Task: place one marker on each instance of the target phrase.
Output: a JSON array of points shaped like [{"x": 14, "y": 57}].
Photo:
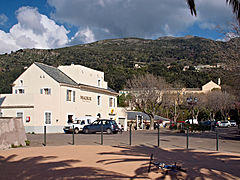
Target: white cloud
[
  {"x": 3, "y": 19},
  {"x": 33, "y": 30},
  {"x": 83, "y": 36}
]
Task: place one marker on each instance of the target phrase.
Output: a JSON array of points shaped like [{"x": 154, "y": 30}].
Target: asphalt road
[{"x": 229, "y": 139}]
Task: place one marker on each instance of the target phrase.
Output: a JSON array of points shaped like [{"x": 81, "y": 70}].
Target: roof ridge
[{"x": 55, "y": 73}]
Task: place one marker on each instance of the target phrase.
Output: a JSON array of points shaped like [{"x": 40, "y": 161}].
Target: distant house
[
  {"x": 46, "y": 95},
  {"x": 210, "y": 86},
  {"x": 205, "y": 89}
]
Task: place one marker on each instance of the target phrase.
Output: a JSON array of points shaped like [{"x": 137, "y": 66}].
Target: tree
[
  {"x": 231, "y": 31},
  {"x": 195, "y": 102},
  {"x": 235, "y": 4},
  {"x": 146, "y": 91},
  {"x": 171, "y": 102},
  {"x": 219, "y": 101}
]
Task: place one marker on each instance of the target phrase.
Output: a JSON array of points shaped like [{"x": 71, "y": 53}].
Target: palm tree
[{"x": 235, "y": 4}]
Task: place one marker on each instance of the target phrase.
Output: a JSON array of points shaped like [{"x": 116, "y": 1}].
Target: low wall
[
  {"x": 40, "y": 129},
  {"x": 12, "y": 132}
]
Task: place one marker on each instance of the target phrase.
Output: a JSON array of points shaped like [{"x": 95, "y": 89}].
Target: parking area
[{"x": 228, "y": 139}]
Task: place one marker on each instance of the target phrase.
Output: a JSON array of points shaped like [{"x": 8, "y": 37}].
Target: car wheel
[
  {"x": 109, "y": 131},
  {"x": 86, "y": 131},
  {"x": 76, "y": 130}
]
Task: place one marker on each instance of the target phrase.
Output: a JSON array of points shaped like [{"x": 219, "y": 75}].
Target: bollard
[
  {"x": 217, "y": 140},
  {"x": 101, "y": 132},
  {"x": 45, "y": 136},
  {"x": 158, "y": 135},
  {"x": 187, "y": 137},
  {"x": 130, "y": 135},
  {"x": 73, "y": 136}
]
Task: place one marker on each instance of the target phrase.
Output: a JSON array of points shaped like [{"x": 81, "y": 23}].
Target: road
[{"x": 229, "y": 140}]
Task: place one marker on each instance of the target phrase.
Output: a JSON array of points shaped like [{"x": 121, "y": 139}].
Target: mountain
[{"x": 166, "y": 56}]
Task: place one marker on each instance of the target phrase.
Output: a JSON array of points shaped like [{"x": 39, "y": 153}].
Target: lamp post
[{"x": 192, "y": 101}]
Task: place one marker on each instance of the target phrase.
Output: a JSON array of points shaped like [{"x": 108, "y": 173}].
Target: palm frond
[
  {"x": 235, "y": 4},
  {"x": 191, "y": 5}
]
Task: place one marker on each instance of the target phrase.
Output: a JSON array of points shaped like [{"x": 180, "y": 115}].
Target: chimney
[{"x": 219, "y": 81}]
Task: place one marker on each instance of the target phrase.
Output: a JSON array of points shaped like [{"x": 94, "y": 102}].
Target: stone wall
[{"x": 12, "y": 132}]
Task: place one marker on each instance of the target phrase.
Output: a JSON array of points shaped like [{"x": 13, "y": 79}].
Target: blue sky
[{"x": 58, "y": 23}]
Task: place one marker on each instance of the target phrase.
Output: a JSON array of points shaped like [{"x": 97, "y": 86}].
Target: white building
[{"x": 45, "y": 95}]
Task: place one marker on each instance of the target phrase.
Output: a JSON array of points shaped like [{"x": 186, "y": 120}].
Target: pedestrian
[{"x": 120, "y": 128}]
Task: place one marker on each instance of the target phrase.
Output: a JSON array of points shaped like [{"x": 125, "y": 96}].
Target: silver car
[
  {"x": 224, "y": 123},
  {"x": 233, "y": 123}
]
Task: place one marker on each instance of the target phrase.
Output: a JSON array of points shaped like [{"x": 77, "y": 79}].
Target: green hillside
[{"x": 165, "y": 56}]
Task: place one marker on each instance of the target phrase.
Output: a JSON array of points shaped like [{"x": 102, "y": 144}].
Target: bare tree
[
  {"x": 146, "y": 93},
  {"x": 219, "y": 101},
  {"x": 231, "y": 30},
  {"x": 197, "y": 103},
  {"x": 170, "y": 102}
]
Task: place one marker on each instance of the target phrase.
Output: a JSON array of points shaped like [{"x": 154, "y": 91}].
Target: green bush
[
  {"x": 27, "y": 143},
  {"x": 173, "y": 127}
]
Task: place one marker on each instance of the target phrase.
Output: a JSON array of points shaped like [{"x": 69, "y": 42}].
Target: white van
[
  {"x": 190, "y": 121},
  {"x": 78, "y": 124}
]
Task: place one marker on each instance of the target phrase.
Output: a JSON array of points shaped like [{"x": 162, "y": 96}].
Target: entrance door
[{"x": 69, "y": 118}]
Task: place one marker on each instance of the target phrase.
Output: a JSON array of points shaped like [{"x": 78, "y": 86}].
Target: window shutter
[
  {"x": 41, "y": 91},
  {"x": 67, "y": 96},
  {"x": 74, "y": 93},
  {"x": 49, "y": 91}
]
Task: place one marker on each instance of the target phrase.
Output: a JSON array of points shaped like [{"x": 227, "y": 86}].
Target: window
[
  {"x": 111, "y": 102},
  {"x": 48, "y": 117},
  {"x": 99, "y": 83},
  {"x": 71, "y": 95},
  {"x": 98, "y": 100},
  {"x": 21, "y": 82},
  {"x": 19, "y": 91},
  {"x": 70, "y": 119},
  {"x": 82, "y": 122},
  {"x": 88, "y": 121},
  {"x": 46, "y": 91},
  {"x": 20, "y": 114},
  {"x": 1, "y": 114}
]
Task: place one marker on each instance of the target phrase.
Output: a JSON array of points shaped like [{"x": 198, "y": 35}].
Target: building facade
[{"x": 46, "y": 95}]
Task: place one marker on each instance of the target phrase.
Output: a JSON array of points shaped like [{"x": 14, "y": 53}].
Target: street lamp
[{"x": 192, "y": 101}]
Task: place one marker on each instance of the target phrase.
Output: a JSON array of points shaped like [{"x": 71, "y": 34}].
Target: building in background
[{"x": 46, "y": 95}]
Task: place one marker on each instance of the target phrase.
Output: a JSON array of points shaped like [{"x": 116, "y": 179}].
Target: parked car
[
  {"x": 233, "y": 123},
  {"x": 190, "y": 121},
  {"x": 78, "y": 124},
  {"x": 109, "y": 126},
  {"x": 223, "y": 123},
  {"x": 206, "y": 123}
]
